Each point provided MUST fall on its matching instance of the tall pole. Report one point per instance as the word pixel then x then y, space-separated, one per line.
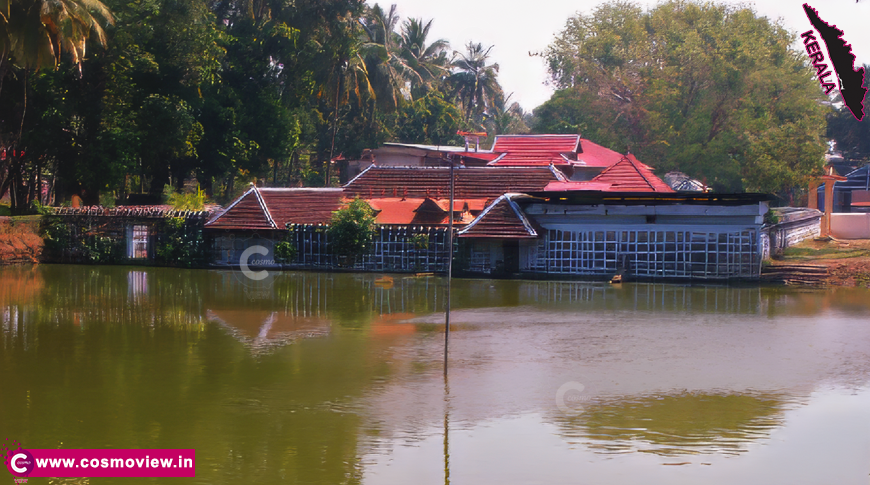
pixel 449 267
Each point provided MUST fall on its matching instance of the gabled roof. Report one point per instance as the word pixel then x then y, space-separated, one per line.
pixel 247 212
pixel 537 150
pixel 273 208
pixel 629 175
pixel 434 182
pixel 503 219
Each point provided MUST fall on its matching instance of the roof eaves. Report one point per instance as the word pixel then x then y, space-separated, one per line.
pixel 513 205
pixel 519 212
pixel 360 175
pixel 496 160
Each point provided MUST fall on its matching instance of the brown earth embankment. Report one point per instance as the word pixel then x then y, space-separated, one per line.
pixel 844 262
pixel 19 240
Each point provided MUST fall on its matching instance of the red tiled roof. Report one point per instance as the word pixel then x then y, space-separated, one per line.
pixel 302 205
pixel 629 175
pixel 247 212
pixel 434 182
pixel 395 210
pixel 416 211
pixel 273 208
pixel 503 219
pixel 529 160
pixel 535 144
pixel 595 155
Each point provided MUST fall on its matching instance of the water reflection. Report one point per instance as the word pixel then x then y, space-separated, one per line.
pixel 686 423
pixel 325 378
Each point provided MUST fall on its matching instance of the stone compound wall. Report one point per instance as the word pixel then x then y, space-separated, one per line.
pixel 795 225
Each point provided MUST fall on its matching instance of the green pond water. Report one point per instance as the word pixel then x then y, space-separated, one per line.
pixel 324 378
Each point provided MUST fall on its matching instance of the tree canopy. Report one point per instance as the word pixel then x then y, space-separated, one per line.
pixel 712 90
pixel 226 92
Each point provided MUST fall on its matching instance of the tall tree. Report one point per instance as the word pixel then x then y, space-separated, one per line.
pixel 712 90
pixel 428 60
pixel 474 80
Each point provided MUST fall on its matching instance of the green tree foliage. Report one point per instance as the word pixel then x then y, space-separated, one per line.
pixel 229 92
pixel 708 89
pixel 352 230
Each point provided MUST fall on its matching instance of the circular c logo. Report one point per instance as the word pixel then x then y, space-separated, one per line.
pixel 21 463
pixel 570 404
pixel 243 263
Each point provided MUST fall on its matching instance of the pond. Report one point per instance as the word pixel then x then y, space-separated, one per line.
pixel 327 378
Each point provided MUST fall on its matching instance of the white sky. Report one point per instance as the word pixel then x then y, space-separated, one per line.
pixel 517 28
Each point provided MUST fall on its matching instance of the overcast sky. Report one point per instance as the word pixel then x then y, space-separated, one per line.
pixel 516 28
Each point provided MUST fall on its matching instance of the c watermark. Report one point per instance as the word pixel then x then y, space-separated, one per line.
pixel 569 398
pixel 256 280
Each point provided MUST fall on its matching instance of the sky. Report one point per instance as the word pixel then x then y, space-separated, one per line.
pixel 517 29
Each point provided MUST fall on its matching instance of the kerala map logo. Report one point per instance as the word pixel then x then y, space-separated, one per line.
pixel 851 80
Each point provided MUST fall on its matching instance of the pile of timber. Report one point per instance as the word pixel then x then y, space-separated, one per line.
pixel 795 274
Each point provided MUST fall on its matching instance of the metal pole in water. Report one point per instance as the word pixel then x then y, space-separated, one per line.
pixel 449 267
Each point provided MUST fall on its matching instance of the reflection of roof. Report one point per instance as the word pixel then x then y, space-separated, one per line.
pixel 503 219
pixel 434 182
pixel 263 329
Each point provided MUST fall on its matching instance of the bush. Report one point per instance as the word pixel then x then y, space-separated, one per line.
pixel 285 252
pixel 352 230
pixel 181 244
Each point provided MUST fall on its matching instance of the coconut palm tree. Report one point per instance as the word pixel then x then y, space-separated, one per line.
pixel 38 31
pixel 474 81
pixel 389 73
pixel 430 61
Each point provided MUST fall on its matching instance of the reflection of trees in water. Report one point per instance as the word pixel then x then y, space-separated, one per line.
pixel 674 424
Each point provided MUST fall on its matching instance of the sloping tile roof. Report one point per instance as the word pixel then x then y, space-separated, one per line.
pixel 595 155
pixel 247 212
pixel 434 182
pixel 629 175
pixel 302 205
pixel 536 143
pixel 394 210
pixel 503 219
pixel 273 208
pixel 537 150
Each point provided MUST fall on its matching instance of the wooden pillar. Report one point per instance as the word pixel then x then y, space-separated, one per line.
pixel 813 195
